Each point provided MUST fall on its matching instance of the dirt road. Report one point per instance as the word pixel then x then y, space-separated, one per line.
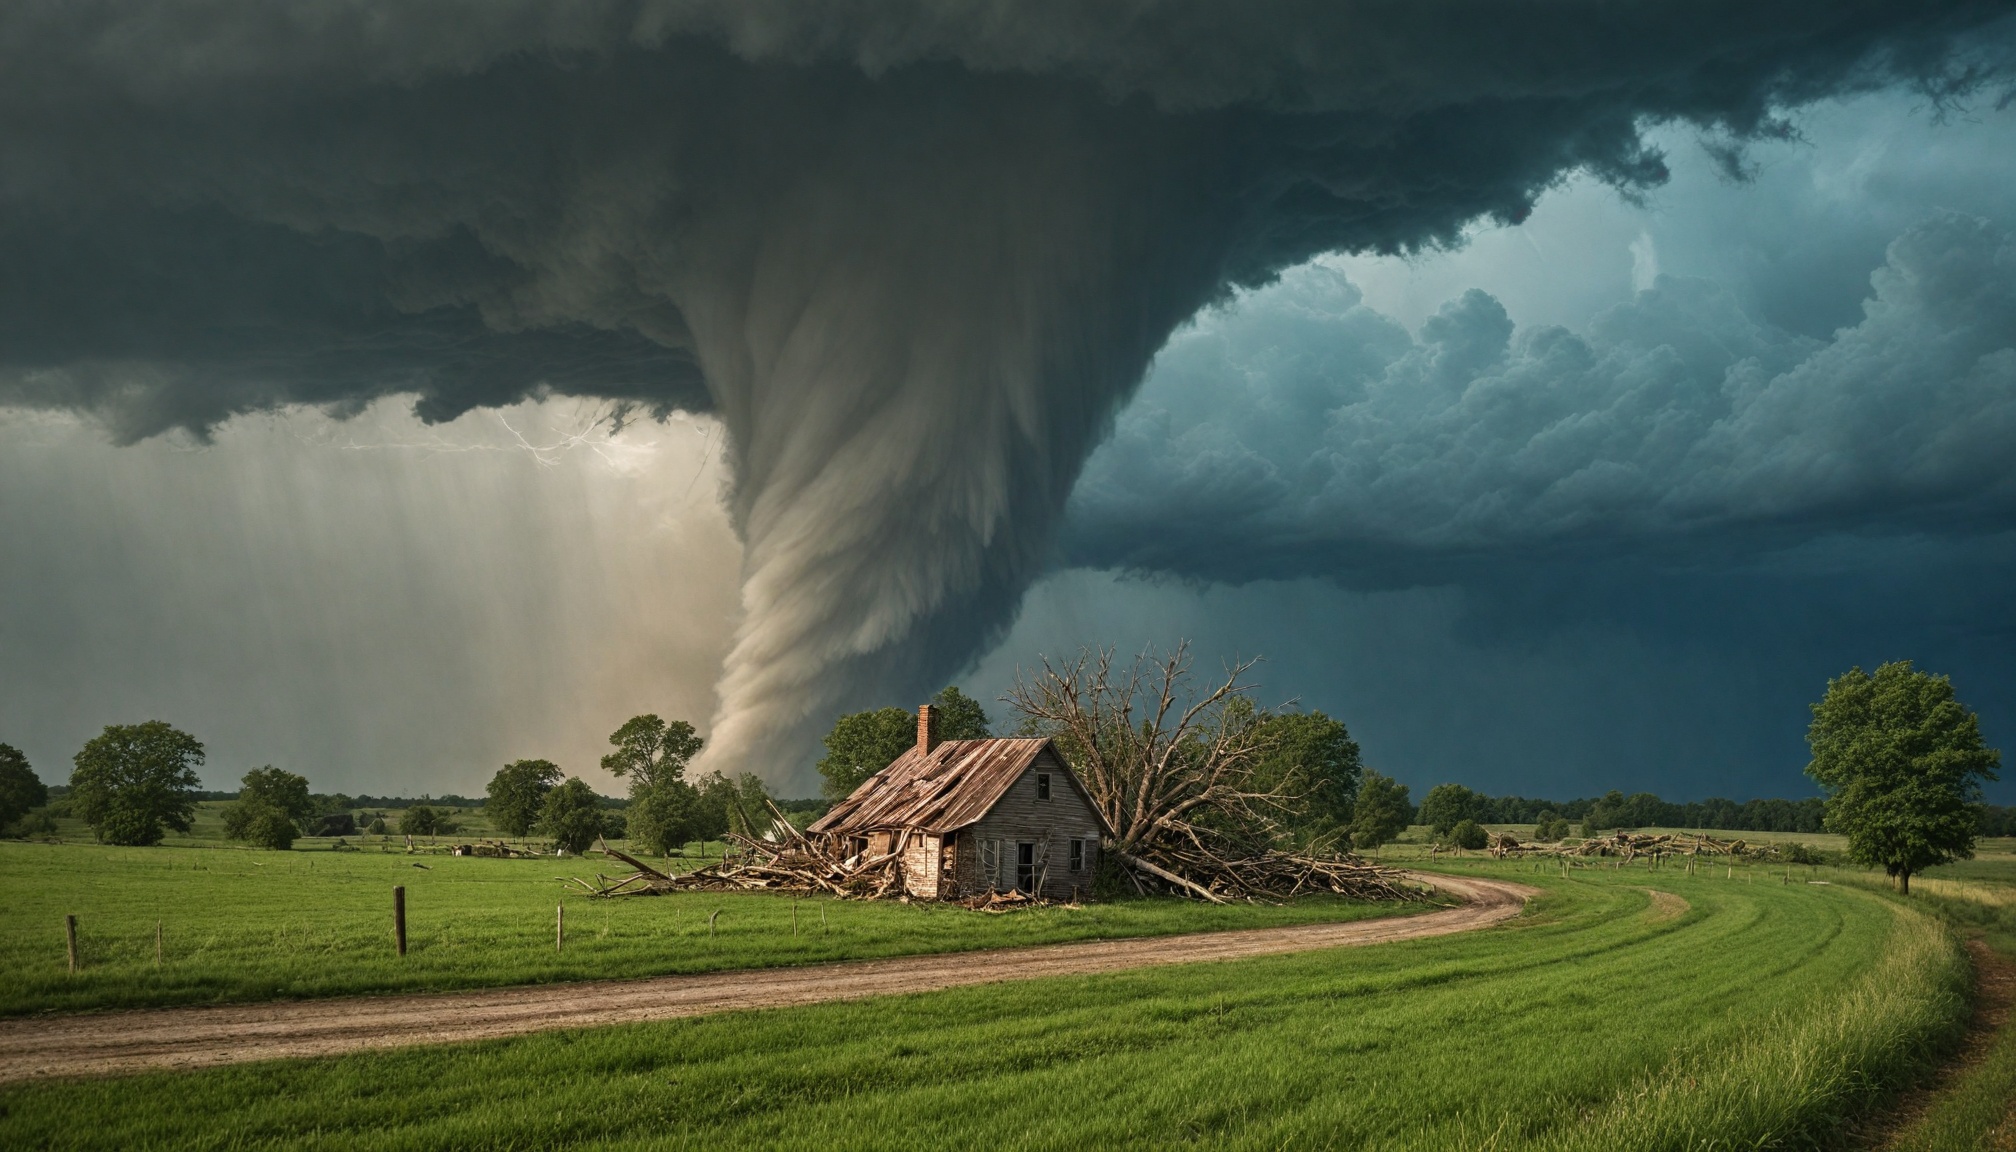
pixel 116 1042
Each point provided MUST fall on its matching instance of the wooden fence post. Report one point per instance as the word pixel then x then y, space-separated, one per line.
pixel 399 916
pixel 157 943
pixel 70 937
pixel 560 928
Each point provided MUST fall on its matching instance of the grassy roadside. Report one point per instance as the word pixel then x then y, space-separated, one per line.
pixel 1975 1109
pixel 1760 1015
pixel 246 925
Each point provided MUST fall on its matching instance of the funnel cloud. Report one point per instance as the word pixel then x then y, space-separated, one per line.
pixel 912 256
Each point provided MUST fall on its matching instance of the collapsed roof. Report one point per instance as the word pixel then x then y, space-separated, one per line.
pixel 937 791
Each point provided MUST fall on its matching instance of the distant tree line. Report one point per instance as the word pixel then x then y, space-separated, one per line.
pixel 134 783
pixel 1441 810
pixel 1446 805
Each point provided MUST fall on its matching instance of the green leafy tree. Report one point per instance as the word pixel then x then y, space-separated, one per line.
pixel 654 755
pixel 517 792
pixel 1312 758
pixel 271 804
pixel 739 805
pixel 1610 811
pixel 960 717
pixel 1468 834
pixel 1446 806
pixel 21 791
pixel 650 751
pixel 264 826
pixel 1638 810
pixel 1381 811
pixel 131 781
pixel 280 788
pixel 663 817
pixel 715 798
pixel 1902 761
pixel 1552 826
pixel 864 743
pixel 572 815
pixel 377 827
pixel 420 820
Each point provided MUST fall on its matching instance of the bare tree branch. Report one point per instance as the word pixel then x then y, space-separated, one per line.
pixel 1175 771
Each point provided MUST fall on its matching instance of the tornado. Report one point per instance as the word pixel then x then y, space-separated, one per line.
pixel 913 256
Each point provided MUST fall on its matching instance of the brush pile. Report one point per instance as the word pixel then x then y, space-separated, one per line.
pixel 1266 875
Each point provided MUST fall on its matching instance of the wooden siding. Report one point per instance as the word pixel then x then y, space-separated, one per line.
pixel 1020 818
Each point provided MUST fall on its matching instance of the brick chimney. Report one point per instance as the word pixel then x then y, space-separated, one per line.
pixel 927 729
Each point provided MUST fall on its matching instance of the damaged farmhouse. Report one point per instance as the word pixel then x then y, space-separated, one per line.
pixel 972 816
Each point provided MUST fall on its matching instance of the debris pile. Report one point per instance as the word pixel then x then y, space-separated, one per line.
pixel 1264 875
pixel 1632 845
pixel 788 860
pixel 496 848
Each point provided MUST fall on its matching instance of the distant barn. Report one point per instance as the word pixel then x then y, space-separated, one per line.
pixel 973 816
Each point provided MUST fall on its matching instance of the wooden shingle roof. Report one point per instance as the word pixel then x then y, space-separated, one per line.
pixel 947 788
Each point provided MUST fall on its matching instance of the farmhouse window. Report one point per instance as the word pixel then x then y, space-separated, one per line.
pixel 1077 855
pixel 1042 785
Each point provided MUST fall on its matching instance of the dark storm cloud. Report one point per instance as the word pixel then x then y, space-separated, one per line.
pixel 1304 433
pixel 914 255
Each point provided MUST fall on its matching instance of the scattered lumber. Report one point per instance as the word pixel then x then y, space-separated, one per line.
pixel 998 902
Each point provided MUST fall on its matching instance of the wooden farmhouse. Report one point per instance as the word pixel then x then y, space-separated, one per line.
pixel 973 816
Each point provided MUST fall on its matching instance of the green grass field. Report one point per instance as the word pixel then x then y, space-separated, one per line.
pixel 249 925
pixel 1759 1016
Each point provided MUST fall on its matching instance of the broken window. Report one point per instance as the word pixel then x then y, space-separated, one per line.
pixel 1077 855
pixel 1042 785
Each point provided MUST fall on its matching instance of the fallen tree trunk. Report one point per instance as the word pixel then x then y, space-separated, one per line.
pixel 1171 877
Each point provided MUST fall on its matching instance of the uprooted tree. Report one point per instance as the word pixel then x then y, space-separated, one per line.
pixel 1187 777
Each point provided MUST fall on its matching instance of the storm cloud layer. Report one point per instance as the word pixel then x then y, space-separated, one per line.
pixel 1303 432
pixel 913 256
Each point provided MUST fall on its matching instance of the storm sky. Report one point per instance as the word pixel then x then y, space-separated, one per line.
pixel 387 392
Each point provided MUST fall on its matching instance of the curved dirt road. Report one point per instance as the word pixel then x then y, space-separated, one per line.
pixel 203 1037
